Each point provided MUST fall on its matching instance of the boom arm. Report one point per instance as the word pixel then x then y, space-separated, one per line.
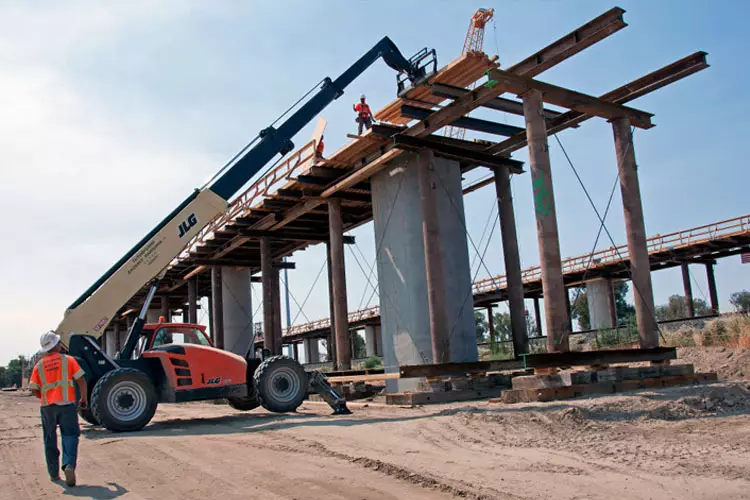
pixel 94 309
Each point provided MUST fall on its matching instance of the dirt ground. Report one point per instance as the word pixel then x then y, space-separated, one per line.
pixel 682 443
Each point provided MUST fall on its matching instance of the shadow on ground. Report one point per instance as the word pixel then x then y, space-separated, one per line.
pixel 109 492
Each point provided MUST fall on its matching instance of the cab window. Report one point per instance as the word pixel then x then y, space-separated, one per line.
pixel 179 335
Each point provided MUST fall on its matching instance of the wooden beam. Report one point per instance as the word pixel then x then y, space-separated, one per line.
pixel 567 98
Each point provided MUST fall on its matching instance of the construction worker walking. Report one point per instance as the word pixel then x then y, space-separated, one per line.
pixel 364 115
pixel 53 382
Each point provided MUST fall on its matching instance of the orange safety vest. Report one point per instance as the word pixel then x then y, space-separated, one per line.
pixel 363 110
pixel 319 151
pixel 54 377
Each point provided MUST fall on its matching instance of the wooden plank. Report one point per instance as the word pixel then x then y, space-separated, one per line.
pixel 421 398
pixel 363 378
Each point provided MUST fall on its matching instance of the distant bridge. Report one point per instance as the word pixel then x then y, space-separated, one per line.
pixel 700 245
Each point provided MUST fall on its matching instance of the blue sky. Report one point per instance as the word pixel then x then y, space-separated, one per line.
pixel 112 114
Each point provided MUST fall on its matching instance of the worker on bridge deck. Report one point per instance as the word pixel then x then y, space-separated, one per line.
pixel 364 115
pixel 319 149
pixel 53 381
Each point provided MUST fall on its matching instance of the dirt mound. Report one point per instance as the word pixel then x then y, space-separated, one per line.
pixel 729 363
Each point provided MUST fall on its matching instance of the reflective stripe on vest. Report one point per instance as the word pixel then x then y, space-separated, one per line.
pixel 64 382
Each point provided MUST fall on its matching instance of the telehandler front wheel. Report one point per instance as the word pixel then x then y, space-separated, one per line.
pixel 281 384
pixel 124 400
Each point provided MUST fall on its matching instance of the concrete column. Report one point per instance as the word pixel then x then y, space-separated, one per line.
pixel 165 311
pixel 433 256
pixel 404 308
pixel 612 303
pixel 491 324
pixel 338 280
pixel 295 351
pixel 378 341
pixel 712 288
pixel 537 317
pixel 569 309
pixel 598 293
pixel 192 304
pixel 331 340
pixel 371 342
pixel 312 353
pixel 237 310
pixel 217 301
pixel 512 261
pixel 555 310
pixel 688 289
pixel 636 233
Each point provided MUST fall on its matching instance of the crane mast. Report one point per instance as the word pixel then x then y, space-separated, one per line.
pixel 473 43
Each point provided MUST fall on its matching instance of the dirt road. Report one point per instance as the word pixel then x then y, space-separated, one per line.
pixel 684 443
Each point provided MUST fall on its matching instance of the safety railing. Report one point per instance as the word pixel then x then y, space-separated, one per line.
pixel 321 324
pixel 296 164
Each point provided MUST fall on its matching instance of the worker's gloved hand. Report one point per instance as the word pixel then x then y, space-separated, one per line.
pixel 83 404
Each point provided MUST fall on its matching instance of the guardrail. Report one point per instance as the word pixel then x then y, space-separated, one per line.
pixel 655 244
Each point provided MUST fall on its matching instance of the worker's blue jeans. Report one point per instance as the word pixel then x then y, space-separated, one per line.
pixel 66 417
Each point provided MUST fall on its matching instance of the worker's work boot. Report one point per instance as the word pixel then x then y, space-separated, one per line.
pixel 70 475
pixel 54 478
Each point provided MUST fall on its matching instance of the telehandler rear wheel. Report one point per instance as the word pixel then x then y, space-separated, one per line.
pixel 281 384
pixel 124 400
pixel 88 416
pixel 244 404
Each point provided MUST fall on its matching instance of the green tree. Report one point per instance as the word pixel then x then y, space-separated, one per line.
pixel 14 372
pixel 481 325
pixel 676 308
pixel 3 382
pixel 360 350
pixel 740 301
pixel 580 305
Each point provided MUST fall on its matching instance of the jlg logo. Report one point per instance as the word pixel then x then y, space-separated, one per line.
pixel 186 225
pixel 214 380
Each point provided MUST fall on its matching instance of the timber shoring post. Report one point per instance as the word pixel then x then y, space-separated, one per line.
pixel 553 286
pixel 338 282
pixel 636 233
pixel 512 259
pixel 433 255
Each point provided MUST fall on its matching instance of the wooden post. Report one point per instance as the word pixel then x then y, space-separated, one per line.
pixel 193 300
pixel 433 256
pixel 555 310
pixel 512 259
pixel 266 269
pixel 338 279
pixel 686 285
pixel 636 233
pixel 218 306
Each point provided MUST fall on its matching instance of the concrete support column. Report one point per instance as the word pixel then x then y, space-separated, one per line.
pixel 433 257
pixel 237 310
pixel 217 302
pixel 512 261
pixel 338 280
pixel 688 289
pixel 713 293
pixel 312 354
pixel 295 351
pixel 192 304
pixel 598 295
pixel 636 233
pixel 555 310
pixel 537 317
pixel 371 342
pixel 378 341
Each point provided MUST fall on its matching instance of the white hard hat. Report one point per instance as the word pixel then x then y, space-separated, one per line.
pixel 48 341
pixel 362 96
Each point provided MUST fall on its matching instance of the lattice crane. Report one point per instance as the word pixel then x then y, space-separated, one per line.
pixel 473 43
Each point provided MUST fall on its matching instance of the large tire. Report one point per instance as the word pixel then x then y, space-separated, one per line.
pixel 88 416
pixel 124 400
pixel 244 404
pixel 281 384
